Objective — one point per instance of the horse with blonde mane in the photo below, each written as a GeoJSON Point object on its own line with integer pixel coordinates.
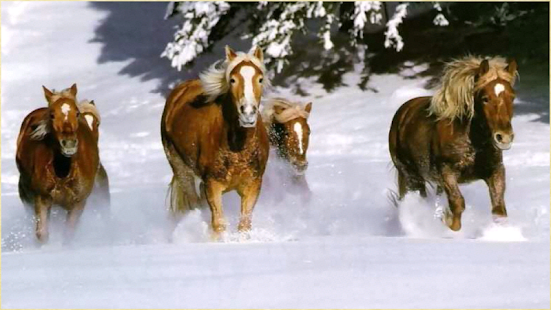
{"type": "Point", "coordinates": [101, 196]}
{"type": "Point", "coordinates": [458, 135]}
{"type": "Point", "coordinates": [215, 140]}
{"type": "Point", "coordinates": [289, 133]}
{"type": "Point", "coordinates": [57, 158]}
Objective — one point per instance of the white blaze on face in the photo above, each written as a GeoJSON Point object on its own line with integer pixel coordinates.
{"type": "Point", "coordinates": [90, 120]}
{"type": "Point", "coordinates": [65, 108]}
{"type": "Point", "coordinates": [298, 130]}
{"type": "Point", "coordinates": [247, 72]}
{"type": "Point", "coordinates": [499, 88]}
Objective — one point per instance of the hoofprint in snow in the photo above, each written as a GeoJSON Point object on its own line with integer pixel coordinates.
{"type": "Point", "coordinates": [349, 247]}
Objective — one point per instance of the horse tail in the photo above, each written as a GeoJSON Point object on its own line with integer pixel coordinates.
{"type": "Point", "coordinates": [184, 195]}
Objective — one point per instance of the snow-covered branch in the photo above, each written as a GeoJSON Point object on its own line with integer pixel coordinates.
{"type": "Point", "coordinates": [192, 38]}
{"type": "Point", "coordinates": [392, 36]}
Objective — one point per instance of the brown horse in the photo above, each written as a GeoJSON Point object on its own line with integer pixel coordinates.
{"type": "Point", "coordinates": [57, 158]}
{"type": "Point", "coordinates": [289, 133]}
{"type": "Point", "coordinates": [214, 137]}
{"type": "Point", "coordinates": [458, 135]}
{"type": "Point", "coordinates": [100, 194]}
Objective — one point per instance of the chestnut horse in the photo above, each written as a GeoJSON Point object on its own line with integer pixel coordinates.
{"type": "Point", "coordinates": [289, 133]}
{"type": "Point", "coordinates": [214, 138]}
{"type": "Point", "coordinates": [57, 158]}
{"type": "Point", "coordinates": [458, 135]}
{"type": "Point", "coordinates": [100, 193]}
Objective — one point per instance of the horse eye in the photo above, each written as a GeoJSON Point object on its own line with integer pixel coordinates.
{"type": "Point", "coordinates": [232, 81]}
{"type": "Point", "coordinates": [78, 114]}
{"type": "Point", "coordinates": [484, 100]}
{"type": "Point", "coordinates": [52, 115]}
{"type": "Point", "coordinates": [261, 80]}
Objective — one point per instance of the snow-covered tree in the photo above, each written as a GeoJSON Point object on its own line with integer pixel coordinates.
{"type": "Point", "coordinates": [272, 25]}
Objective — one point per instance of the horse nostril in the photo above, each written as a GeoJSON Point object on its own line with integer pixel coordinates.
{"type": "Point", "coordinates": [242, 109]}
{"type": "Point", "coordinates": [255, 109]}
{"type": "Point", "coordinates": [499, 137]}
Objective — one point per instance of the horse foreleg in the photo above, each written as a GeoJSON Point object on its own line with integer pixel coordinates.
{"type": "Point", "coordinates": [496, 184]}
{"type": "Point", "coordinates": [249, 195]}
{"type": "Point", "coordinates": [455, 200]}
{"type": "Point", "coordinates": [213, 193]}
{"type": "Point", "coordinates": [42, 207]}
{"type": "Point", "coordinates": [73, 217]}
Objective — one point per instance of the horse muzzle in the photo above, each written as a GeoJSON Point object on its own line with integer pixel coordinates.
{"type": "Point", "coordinates": [503, 140]}
{"type": "Point", "coordinates": [248, 115]}
{"type": "Point", "coordinates": [69, 147]}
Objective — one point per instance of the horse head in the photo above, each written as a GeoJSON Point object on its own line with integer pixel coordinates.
{"type": "Point", "coordinates": [64, 118]}
{"type": "Point", "coordinates": [494, 98]}
{"type": "Point", "coordinates": [292, 132]}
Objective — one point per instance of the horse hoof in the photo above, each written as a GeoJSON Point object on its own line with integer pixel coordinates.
{"type": "Point", "coordinates": [42, 237]}
{"type": "Point", "coordinates": [500, 220]}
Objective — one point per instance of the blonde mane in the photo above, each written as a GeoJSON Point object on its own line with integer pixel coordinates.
{"type": "Point", "coordinates": [86, 106]}
{"type": "Point", "coordinates": [215, 80]}
{"type": "Point", "coordinates": [43, 128]}
{"type": "Point", "coordinates": [292, 110]}
{"type": "Point", "coordinates": [454, 98]}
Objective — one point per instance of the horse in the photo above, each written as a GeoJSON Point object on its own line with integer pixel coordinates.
{"type": "Point", "coordinates": [215, 140]}
{"type": "Point", "coordinates": [57, 158]}
{"type": "Point", "coordinates": [289, 133]}
{"type": "Point", "coordinates": [100, 194]}
{"type": "Point", "coordinates": [458, 135]}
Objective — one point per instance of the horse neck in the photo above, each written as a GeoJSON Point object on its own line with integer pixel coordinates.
{"type": "Point", "coordinates": [238, 137]}
{"type": "Point", "coordinates": [480, 133]}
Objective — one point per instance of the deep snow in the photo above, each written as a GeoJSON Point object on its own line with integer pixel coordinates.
{"type": "Point", "coordinates": [349, 247]}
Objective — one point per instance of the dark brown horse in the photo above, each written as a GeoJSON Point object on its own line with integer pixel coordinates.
{"type": "Point", "coordinates": [214, 137]}
{"type": "Point", "coordinates": [289, 132]}
{"type": "Point", "coordinates": [458, 135]}
{"type": "Point", "coordinates": [57, 158]}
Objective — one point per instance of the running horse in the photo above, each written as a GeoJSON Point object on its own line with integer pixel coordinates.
{"type": "Point", "coordinates": [289, 133]}
{"type": "Point", "coordinates": [57, 158]}
{"type": "Point", "coordinates": [458, 135]}
{"type": "Point", "coordinates": [100, 195]}
{"type": "Point", "coordinates": [214, 138]}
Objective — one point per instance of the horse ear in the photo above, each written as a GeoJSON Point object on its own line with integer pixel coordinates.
{"type": "Point", "coordinates": [47, 93]}
{"type": "Point", "coordinates": [484, 67]}
{"type": "Point", "coordinates": [512, 67]}
{"type": "Point", "coordinates": [257, 52]}
{"type": "Point", "coordinates": [92, 102]}
{"type": "Point", "coordinates": [74, 89]}
{"type": "Point", "coordinates": [230, 54]}
{"type": "Point", "coordinates": [308, 107]}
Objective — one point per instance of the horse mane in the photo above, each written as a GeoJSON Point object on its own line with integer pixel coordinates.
{"type": "Point", "coordinates": [454, 98]}
{"type": "Point", "coordinates": [85, 106]}
{"type": "Point", "coordinates": [292, 111]}
{"type": "Point", "coordinates": [42, 127]}
{"type": "Point", "coordinates": [215, 79]}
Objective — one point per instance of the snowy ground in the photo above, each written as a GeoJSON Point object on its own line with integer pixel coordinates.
{"type": "Point", "coordinates": [347, 248]}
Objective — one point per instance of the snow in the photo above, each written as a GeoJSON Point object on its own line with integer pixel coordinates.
{"type": "Point", "coordinates": [392, 35]}
{"type": "Point", "coordinates": [348, 247]}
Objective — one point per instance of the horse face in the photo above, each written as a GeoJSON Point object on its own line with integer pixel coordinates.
{"type": "Point", "coordinates": [495, 100]}
{"type": "Point", "coordinates": [245, 82]}
{"type": "Point", "coordinates": [296, 142]}
{"type": "Point", "coordinates": [64, 116]}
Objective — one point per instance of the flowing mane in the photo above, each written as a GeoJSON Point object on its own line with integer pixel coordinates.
{"type": "Point", "coordinates": [42, 127]}
{"type": "Point", "coordinates": [454, 98]}
{"type": "Point", "coordinates": [215, 79]}
{"type": "Point", "coordinates": [291, 111]}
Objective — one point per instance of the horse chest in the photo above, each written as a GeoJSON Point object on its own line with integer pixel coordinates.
{"type": "Point", "coordinates": [233, 167]}
{"type": "Point", "coordinates": [67, 190]}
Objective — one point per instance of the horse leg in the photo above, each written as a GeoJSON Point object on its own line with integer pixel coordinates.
{"type": "Point", "coordinates": [104, 197]}
{"type": "Point", "coordinates": [249, 195]}
{"type": "Point", "coordinates": [496, 184]}
{"type": "Point", "coordinates": [456, 201]}
{"type": "Point", "coordinates": [213, 193]}
{"type": "Point", "coordinates": [73, 217]}
{"type": "Point", "coordinates": [42, 207]}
